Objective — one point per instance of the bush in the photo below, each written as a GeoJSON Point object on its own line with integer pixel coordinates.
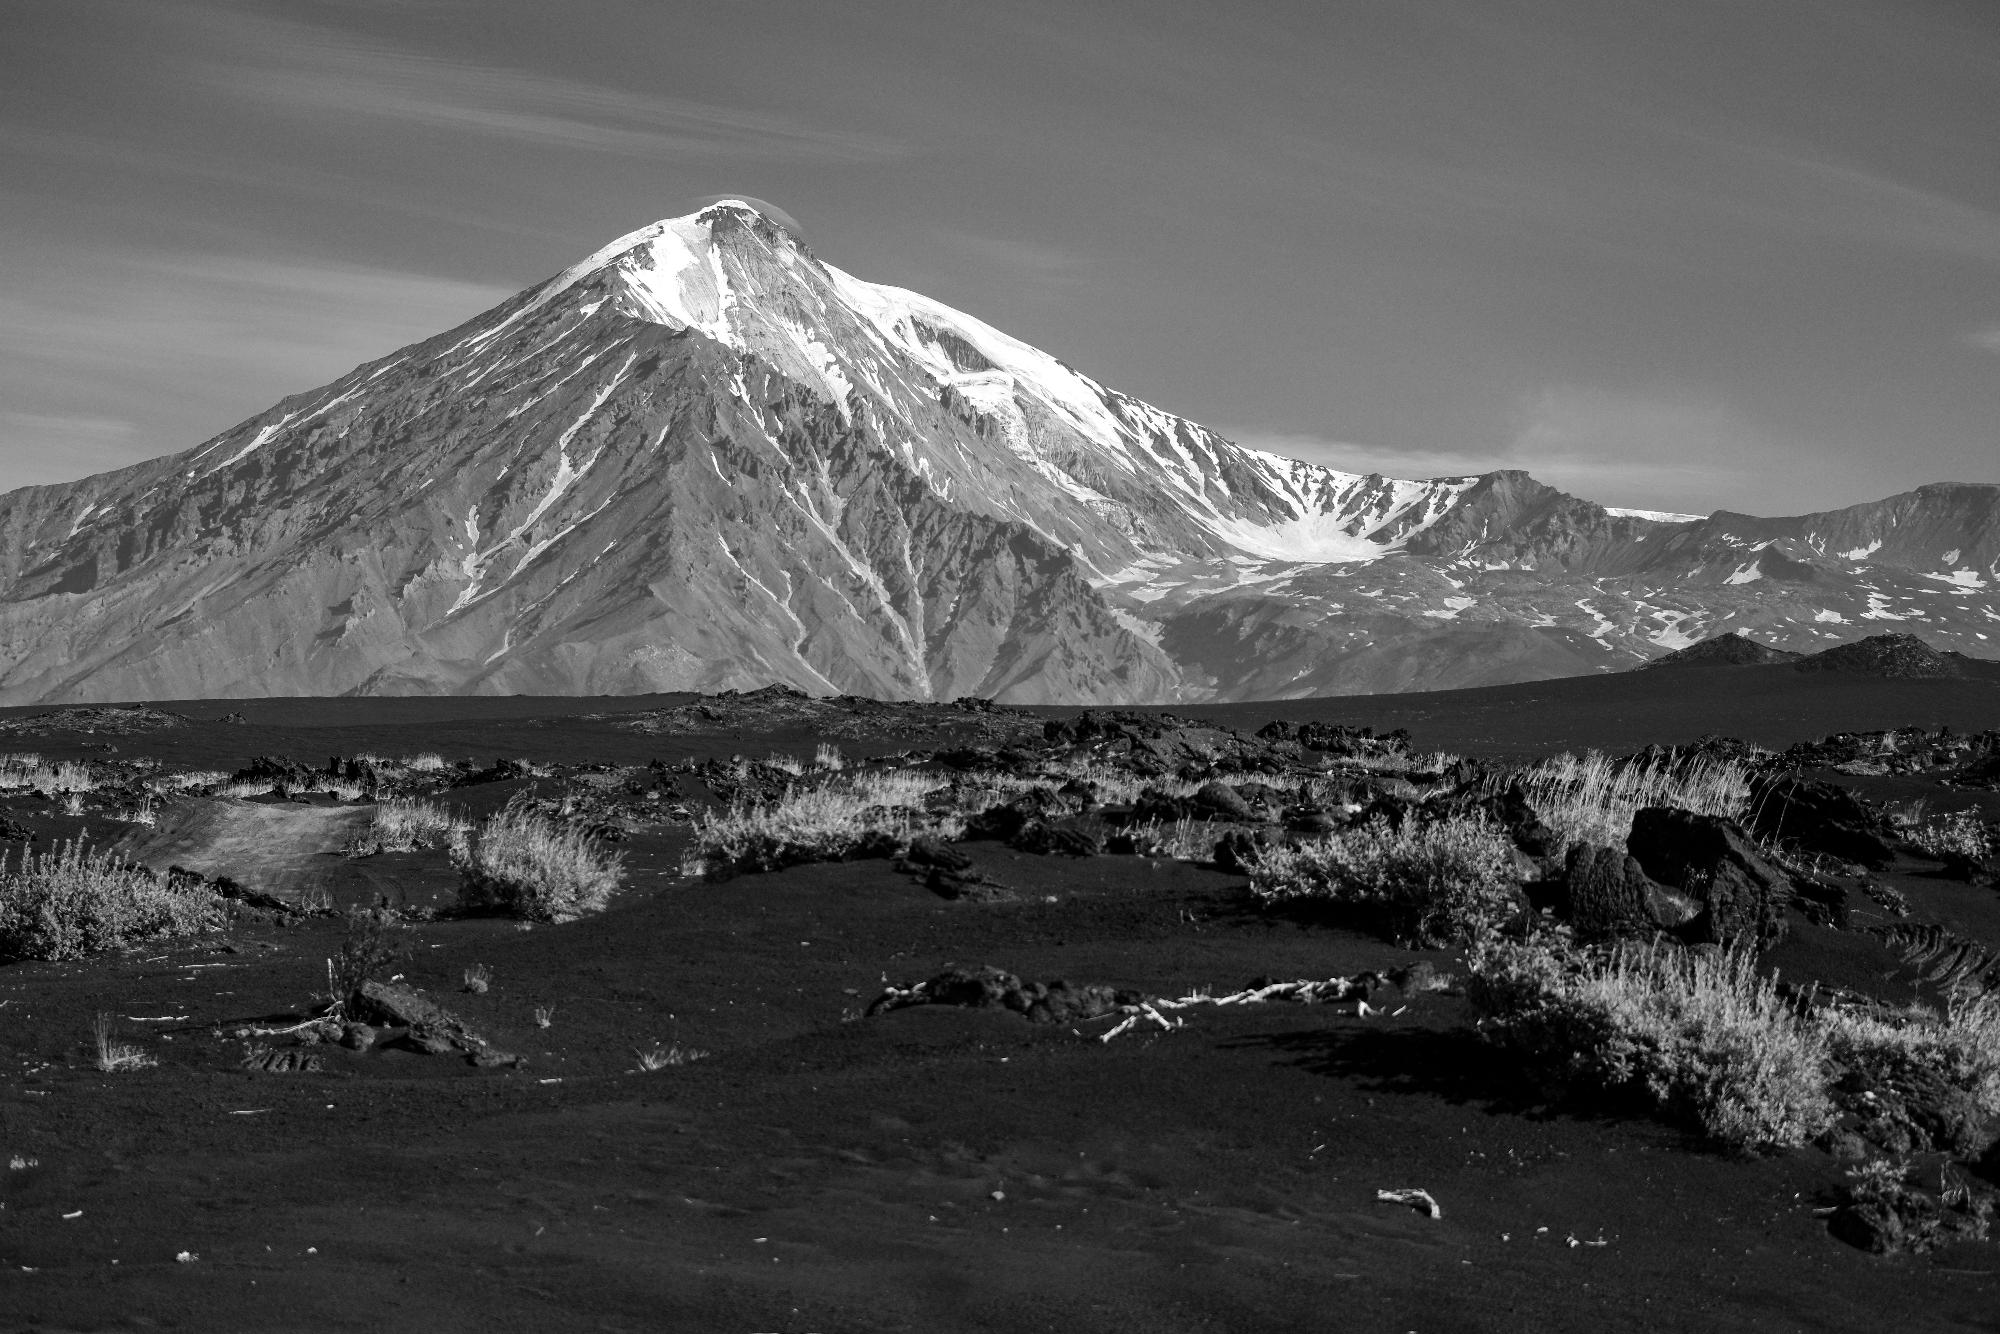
{"type": "Point", "coordinates": [1441, 881]}
{"type": "Point", "coordinates": [71, 902]}
{"type": "Point", "coordinates": [1695, 1032]}
{"type": "Point", "coordinates": [525, 865]}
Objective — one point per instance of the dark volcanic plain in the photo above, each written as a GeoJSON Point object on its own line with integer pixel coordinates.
{"type": "Point", "coordinates": [931, 1168]}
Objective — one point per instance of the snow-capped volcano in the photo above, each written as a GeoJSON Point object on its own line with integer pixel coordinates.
{"type": "Point", "coordinates": [703, 458]}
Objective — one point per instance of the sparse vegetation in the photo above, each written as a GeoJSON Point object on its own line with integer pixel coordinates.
{"type": "Point", "coordinates": [477, 979]}
{"type": "Point", "coordinates": [1440, 881]}
{"type": "Point", "coordinates": [527, 865]}
{"type": "Point", "coordinates": [545, 1015]}
{"type": "Point", "coordinates": [18, 772]}
{"type": "Point", "coordinates": [73, 901]}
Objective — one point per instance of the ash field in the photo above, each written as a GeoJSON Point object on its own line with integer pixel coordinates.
{"type": "Point", "coordinates": [1633, 1002]}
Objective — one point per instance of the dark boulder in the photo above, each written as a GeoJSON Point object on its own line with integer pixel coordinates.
{"type": "Point", "coordinates": [1607, 893]}
{"type": "Point", "coordinates": [1818, 817]}
{"type": "Point", "coordinates": [1238, 852]}
{"type": "Point", "coordinates": [1713, 862]}
{"type": "Point", "coordinates": [1067, 838]}
{"type": "Point", "coordinates": [1219, 801]}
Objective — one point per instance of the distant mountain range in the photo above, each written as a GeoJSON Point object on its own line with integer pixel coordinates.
{"type": "Point", "coordinates": [702, 458]}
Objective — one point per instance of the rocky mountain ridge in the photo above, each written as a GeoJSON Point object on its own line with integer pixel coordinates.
{"type": "Point", "coordinates": [703, 459]}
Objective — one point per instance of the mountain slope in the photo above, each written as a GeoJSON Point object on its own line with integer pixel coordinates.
{"type": "Point", "coordinates": [702, 458]}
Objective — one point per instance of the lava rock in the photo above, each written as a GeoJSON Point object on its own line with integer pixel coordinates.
{"type": "Point", "coordinates": [1238, 852]}
{"type": "Point", "coordinates": [1606, 892]}
{"type": "Point", "coordinates": [429, 1026]}
{"type": "Point", "coordinates": [1219, 801]}
{"type": "Point", "coordinates": [1713, 862]}
{"type": "Point", "coordinates": [1818, 817]}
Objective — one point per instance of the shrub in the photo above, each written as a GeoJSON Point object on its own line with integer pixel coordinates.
{"type": "Point", "coordinates": [70, 902]}
{"type": "Point", "coordinates": [1593, 799]}
{"type": "Point", "coordinates": [525, 865]}
{"type": "Point", "coordinates": [1695, 1032]}
{"type": "Point", "coordinates": [1440, 881]}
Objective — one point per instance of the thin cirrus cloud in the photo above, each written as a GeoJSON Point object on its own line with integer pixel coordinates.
{"type": "Point", "coordinates": [1986, 340]}
{"type": "Point", "coordinates": [162, 339]}
{"type": "Point", "coordinates": [303, 70]}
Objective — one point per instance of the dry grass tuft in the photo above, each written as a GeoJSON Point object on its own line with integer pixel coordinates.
{"type": "Point", "coordinates": [657, 1057]}
{"type": "Point", "coordinates": [824, 822]}
{"type": "Point", "coordinates": [1593, 799]}
{"type": "Point", "coordinates": [405, 825]}
{"type": "Point", "coordinates": [114, 1057]}
{"type": "Point", "coordinates": [526, 865]}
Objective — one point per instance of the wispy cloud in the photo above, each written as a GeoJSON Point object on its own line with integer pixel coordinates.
{"type": "Point", "coordinates": [189, 344]}
{"type": "Point", "coordinates": [299, 69]}
{"type": "Point", "coordinates": [1987, 339]}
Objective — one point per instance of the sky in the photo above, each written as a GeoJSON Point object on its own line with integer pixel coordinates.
{"type": "Point", "coordinates": [1715, 254]}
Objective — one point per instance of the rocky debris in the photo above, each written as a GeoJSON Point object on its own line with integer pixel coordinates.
{"type": "Point", "coordinates": [427, 1026]}
{"type": "Point", "coordinates": [949, 873]}
{"type": "Point", "coordinates": [839, 717]}
{"type": "Point", "coordinates": [1238, 852]}
{"type": "Point", "coordinates": [1902, 656]}
{"type": "Point", "coordinates": [1904, 1106]}
{"type": "Point", "coordinates": [1724, 650]}
{"type": "Point", "coordinates": [1818, 817]}
{"type": "Point", "coordinates": [1219, 801]}
{"type": "Point", "coordinates": [1080, 837]}
{"type": "Point", "coordinates": [283, 1060]}
{"type": "Point", "coordinates": [287, 774]}
{"type": "Point", "coordinates": [1606, 892]}
{"type": "Point", "coordinates": [1886, 1214]}
{"type": "Point", "coordinates": [989, 988]}
{"type": "Point", "coordinates": [1714, 863]}
{"type": "Point", "coordinates": [116, 719]}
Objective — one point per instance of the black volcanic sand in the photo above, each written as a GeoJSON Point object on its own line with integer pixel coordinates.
{"type": "Point", "coordinates": [927, 1169]}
